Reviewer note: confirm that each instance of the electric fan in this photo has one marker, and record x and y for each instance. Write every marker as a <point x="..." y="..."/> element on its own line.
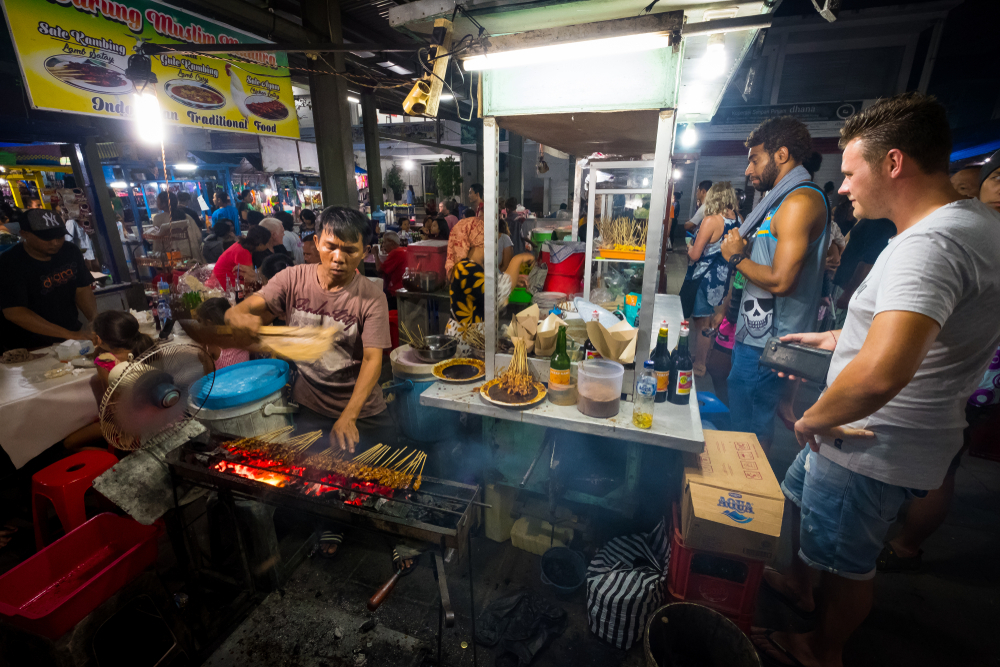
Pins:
<point x="148" y="410"/>
<point x="147" y="401"/>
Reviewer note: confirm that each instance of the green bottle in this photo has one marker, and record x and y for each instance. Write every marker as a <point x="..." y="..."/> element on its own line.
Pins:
<point x="661" y="364"/>
<point x="559" y="363"/>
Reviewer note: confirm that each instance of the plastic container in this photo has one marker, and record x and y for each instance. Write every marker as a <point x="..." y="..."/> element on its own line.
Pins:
<point x="565" y="276"/>
<point x="562" y="394"/>
<point x="428" y="256"/>
<point x="57" y="587"/>
<point x="725" y="583"/>
<point x="564" y="570"/>
<point x="599" y="385"/>
<point x="644" y="397"/>
<point x="245" y="399"/>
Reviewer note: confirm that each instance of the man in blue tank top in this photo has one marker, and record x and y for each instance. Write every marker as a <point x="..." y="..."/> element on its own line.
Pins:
<point x="781" y="262"/>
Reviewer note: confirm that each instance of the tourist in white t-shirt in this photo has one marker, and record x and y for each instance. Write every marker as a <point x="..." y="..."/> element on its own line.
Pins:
<point x="919" y="333"/>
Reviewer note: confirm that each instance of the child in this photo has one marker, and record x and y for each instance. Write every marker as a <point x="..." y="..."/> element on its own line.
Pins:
<point x="213" y="311"/>
<point x="117" y="337"/>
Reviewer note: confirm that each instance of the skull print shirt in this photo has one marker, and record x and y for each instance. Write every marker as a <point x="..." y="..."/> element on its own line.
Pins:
<point x="762" y="315"/>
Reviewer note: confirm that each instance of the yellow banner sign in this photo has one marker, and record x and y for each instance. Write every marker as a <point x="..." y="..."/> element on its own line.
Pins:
<point x="80" y="56"/>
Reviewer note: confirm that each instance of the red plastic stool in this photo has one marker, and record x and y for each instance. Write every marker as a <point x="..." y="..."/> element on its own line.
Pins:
<point x="63" y="483"/>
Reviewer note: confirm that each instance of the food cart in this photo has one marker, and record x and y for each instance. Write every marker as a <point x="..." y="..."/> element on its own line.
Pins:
<point x="627" y="131"/>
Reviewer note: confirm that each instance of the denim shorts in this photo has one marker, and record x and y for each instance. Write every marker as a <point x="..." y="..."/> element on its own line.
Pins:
<point x="845" y="515"/>
<point x="701" y="306"/>
<point x="754" y="392"/>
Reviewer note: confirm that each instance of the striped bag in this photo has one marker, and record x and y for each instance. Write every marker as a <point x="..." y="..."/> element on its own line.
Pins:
<point x="624" y="584"/>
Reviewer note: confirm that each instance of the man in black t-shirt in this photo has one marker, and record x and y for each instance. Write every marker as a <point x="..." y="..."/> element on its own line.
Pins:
<point x="46" y="282"/>
<point x="867" y="240"/>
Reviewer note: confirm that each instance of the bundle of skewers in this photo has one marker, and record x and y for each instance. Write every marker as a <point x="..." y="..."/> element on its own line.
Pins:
<point x="417" y="342"/>
<point x="274" y="446"/>
<point x="624" y="234"/>
<point x="473" y="335"/>
<point x="517" y="379"/>
<point x="379" y="465"/>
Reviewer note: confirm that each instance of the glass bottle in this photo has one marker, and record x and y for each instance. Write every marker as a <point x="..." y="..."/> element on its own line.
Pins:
<point x="682" y="373"/>
<point x="559" y="363"/>
<point x="589" y="351"/>
<point x="645" y="396"/>
<point x="661" y="361"/>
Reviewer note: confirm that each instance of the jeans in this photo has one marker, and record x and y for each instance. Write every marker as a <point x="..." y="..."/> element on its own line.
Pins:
<point x="754" y="392"/>
<point x="845" y="515"/>
<point x="372" y="430"/>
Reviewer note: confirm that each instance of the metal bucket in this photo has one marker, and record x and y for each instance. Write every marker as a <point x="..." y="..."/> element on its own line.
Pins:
<point x="684" y="633"/>
<point x="255" y="418"/>
<point x="419" y="422"/>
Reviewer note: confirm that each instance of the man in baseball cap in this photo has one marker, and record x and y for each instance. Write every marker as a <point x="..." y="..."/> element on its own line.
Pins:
<point x="46" y="286"/>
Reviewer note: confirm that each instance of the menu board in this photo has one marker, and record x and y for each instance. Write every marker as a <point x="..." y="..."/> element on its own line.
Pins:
<point x="75" y="57"/>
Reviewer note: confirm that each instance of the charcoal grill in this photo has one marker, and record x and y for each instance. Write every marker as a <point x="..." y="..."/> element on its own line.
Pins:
<point x="439" y="514"/>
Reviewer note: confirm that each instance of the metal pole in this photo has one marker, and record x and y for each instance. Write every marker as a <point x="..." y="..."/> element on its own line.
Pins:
<point x="591" y="209"/>
<point x="577" y="187"/>
<point x="491" y="212"/>
<point x="87" y="163"/>
<point x="373" y="155"/>
<point x="657" y="211"/>
<point x="331" y="114"/>
<point x="472" y="602"/>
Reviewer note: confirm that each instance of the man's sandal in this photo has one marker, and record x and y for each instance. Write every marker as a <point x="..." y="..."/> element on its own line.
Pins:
<point x="329" y="539"/>
<point x="398" y="562"/>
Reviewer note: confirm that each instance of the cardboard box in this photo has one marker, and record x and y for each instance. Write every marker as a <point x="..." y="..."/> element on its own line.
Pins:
<point x="732" y="503"/>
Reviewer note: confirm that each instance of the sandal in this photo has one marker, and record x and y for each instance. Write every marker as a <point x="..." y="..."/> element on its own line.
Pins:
<point x="767" y="658"/>
<point x="890" y="562"/>
<point x="398" y="562"/>
<point x="329" y="539"/>
<point x="787" y="601"/>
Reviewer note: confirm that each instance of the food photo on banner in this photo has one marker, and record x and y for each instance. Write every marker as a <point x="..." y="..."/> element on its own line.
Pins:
<point x="81" y="56"/>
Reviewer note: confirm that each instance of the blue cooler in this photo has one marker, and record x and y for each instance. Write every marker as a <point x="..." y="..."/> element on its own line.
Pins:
<point x="246" y="399"/>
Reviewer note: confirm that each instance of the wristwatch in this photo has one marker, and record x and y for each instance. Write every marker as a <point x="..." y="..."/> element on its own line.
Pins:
<point x="736" y="259"/>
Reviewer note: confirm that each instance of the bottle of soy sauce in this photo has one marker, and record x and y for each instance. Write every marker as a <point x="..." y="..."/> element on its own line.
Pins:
<point x="681" y="372"/>
<point x="661" y="363"/>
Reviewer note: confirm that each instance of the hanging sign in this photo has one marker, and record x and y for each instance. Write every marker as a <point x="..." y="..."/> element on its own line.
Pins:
<point x="75" y="57"/>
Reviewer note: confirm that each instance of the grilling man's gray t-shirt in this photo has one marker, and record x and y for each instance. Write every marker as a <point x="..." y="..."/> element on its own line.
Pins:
<point x="946" y="267"/>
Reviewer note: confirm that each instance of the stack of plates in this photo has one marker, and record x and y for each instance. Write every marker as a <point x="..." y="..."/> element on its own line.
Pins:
<point x="546" y="301"/>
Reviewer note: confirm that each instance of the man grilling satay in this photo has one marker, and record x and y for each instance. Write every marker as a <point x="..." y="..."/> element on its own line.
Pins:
<point x="339" y="393"/>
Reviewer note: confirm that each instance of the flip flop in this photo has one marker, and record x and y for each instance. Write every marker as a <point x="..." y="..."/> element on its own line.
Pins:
<point x="787" y="601"/>
<point x="890" y="562"/>
<point x="328" y="539"/>
<point x="398" y="562"/>
<point x="767" y="659"/>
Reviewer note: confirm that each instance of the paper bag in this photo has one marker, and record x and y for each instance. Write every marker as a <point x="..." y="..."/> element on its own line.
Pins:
<point x="545" y="337"/>
<point x="514" y="331"/>
<point x="527" y="321"/>
<point x="616" y="343"/>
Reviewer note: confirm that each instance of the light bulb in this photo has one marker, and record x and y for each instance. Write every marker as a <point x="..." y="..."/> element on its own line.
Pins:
<point x="713" y="64"/>
<point x="408" y="165"/>
<point x="149" y="118"/>
<point x="677" y="174"/>
<point x="690" y="136"/>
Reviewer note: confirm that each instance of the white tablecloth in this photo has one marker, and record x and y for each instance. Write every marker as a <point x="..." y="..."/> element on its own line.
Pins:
<point x="36" y="416"/>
